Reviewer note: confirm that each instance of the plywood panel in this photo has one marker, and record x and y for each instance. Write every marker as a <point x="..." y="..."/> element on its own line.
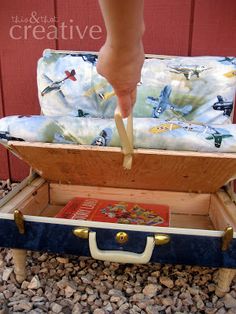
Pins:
<point x="214" y="27"/>
<point x="151" y="170"/>
<point x="167" y="26"/>
<point x="179" y="202"/>
<point x="23" y="36"/>
<point x="80" y="25"/>
<point x="4" y="167"/>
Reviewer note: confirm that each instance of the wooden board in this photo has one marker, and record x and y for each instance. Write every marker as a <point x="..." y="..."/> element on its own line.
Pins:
<point x="222" y="211"/>
<point x="179" y="202"/>
<point x="19" y="52"/>
<point x="191" y="221"/>
<point x="27" y="194"/>
<point x="84" y="27"/>
<point x="214" y="28"/>
<point x="168" y="26"/>
<point x="151" y="170"/>
<point x="4" y="169"/>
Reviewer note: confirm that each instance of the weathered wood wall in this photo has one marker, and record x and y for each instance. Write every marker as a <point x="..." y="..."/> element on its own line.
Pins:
<point x="176" y="27"/>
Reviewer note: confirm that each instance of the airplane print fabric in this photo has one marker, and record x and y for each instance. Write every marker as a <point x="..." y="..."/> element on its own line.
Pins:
<point x="148" y="133"/>
<point x="183" y="103"/>
<point x="200" y="89"/>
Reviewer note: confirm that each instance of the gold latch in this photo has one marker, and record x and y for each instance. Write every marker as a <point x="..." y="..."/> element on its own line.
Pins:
<point x="161" y="239"/>
<point x="122" y="237"/>
<point x="227" y="238"/>
<point x="19" y="220"/>
<point x="82" y="233"/>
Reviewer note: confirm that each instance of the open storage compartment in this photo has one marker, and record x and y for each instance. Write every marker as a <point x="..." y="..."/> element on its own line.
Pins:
<point x="188" y="182"/>
<point x="206" y="211"/>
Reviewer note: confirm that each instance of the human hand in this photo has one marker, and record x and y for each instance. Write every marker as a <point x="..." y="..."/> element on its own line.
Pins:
<point x="121" y="66"/>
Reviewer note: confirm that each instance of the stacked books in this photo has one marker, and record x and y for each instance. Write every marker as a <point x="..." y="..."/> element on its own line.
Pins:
<point x="116" y="212"/>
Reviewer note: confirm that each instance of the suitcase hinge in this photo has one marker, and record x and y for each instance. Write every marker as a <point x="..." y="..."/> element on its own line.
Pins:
<point x="227" y="238"/>
<point x="161" y="239"/>
<point x="19" y="220"/>
<point x="82" y="233"/>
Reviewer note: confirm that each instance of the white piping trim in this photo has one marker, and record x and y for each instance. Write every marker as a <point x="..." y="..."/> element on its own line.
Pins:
<point x="113" y="226"/>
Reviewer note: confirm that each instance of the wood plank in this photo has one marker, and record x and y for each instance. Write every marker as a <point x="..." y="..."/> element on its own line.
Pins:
<point x="19" y="59"/>
<point x="36" y="203"/>
<point x="214" y="28"/>
<point x="228" y="205"/>
<point x="49" y="211"/>
<point x="81" y="25"/>
<point x="161" y="18"/>
<point x="17" y="189"/>
<point x="221" y="213"/>
<point x="151" y="170"/>
<point x="4" y="169"/>
<point x="191" y="221"/>
<point x="21" y="197"/>
<point x="167" y="26"/>
<point x="179" y="202"/>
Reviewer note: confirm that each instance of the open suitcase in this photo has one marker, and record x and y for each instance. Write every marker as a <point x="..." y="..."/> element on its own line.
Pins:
<point x="203" y="213"/>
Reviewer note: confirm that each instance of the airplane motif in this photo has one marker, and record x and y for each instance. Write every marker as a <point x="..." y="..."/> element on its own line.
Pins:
<point x="227" y="60"/>
<point x="216" y="134"/>
<point x="87" y="57"/>
<point x="188" y="70"/>
<point x="57" y="85"/>
<point x="107" y="95"/>
<point x="98" y="90"/>
<point x="230" y="74"/>
<point x="5" y="135"/>
<point x="95" y="88"/>
<point x="82" y="114"/>
<point x="103" y="138"/>
<point x="223" y="105"/>
<point x="162" y="103"/>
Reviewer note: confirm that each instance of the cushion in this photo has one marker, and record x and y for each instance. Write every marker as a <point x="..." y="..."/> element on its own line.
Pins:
<point x="199" y="89"/>
<point x="148" y="133"/>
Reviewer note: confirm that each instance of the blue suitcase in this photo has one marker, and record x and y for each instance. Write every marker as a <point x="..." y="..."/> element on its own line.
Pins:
<point x="202" y="214"/>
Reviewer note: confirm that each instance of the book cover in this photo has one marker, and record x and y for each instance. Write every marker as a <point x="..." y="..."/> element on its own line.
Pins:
<point x="116" y="212"/>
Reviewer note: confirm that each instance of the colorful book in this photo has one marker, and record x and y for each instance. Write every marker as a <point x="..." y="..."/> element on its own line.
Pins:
<point x="116" y="212"/>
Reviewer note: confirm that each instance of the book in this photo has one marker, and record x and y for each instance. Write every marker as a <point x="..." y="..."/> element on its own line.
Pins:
<point x="116" y="212"/>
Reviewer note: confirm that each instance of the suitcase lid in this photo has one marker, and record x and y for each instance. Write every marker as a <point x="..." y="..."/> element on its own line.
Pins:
<point x="151" y="170"/>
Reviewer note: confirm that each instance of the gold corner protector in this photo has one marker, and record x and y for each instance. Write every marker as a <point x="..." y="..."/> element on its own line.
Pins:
<point x="227" y="238"/>
<point x="19" y="220"/>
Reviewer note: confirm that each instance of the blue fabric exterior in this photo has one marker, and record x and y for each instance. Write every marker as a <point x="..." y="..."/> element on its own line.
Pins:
<point x="182" y="249"/>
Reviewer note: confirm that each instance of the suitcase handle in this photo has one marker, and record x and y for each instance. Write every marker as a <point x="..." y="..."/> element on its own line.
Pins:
<point x="119" y="256"/>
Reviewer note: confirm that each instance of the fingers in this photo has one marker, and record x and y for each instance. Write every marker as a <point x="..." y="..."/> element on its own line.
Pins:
<point x="126" y="102"/>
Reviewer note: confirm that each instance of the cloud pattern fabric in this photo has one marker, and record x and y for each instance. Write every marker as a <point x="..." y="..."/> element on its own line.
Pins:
<point x="148" y="133"/>
<point x="200" y="89"/>
<point x="183" y="103"/>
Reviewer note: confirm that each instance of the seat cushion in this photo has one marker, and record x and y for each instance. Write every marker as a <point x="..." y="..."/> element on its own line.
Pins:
<point x="148" y="133"/>
<point x="200" y="89"/>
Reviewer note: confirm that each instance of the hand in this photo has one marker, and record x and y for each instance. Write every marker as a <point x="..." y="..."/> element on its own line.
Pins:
<point x="121" y="66"/>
